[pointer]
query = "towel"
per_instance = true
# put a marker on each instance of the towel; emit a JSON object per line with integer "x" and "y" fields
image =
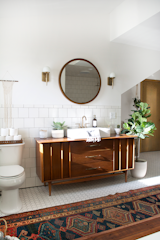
{"x": 93, "y": 136}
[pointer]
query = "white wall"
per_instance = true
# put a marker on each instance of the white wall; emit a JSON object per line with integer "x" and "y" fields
{"x": 131, "y": 13}
{"x": 35, "y": 34}
{"x": 127, "y": 102}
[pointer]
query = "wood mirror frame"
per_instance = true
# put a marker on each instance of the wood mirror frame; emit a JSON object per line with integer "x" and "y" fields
{"x": 81, "y": 90}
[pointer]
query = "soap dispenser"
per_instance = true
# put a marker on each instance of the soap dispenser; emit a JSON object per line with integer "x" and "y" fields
{"x": 94, "y": 123}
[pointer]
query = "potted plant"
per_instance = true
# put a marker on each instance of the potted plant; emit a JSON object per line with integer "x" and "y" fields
{"x": 58, "y": 129}
{"x": 118, "y": 129}
{"x": 139, "y": 126}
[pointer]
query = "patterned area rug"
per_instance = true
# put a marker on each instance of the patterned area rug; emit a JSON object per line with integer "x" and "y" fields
{"x": 80, "y": 219}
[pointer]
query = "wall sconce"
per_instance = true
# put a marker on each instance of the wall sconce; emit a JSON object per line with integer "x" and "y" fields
{"x": 110, "y": 79}
{"x": 45, "y": 74}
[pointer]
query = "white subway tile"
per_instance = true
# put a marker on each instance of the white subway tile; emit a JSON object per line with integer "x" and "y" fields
{"x": 28, "y": 105}
{"x": 30, "y": 163}
{"x": 34, "y": 132}
{"x": 17, "y": 105}
{"x": 1, "y": 112}
{"x": 38, "y": 182}
{"x": 96, "y": 112}
{"x": 48, "y": 106}
{"x": 33, "y": 172}
{"x": 48, "y": 122}
{"x": 53, "y": 112}
{"x": 33, "y": 112}
{"x": 80, "y": 112}
{"x": 67, "y": 122}
{"x": 88, "y": 113}
{"x": 15, "y": 113}
{"x": 84, "y": 107}
{"x": 1, "y": 125}
{"x": 75, "y": 122}
{"x": 23, "y": 132}
{"x": 27, "y": 142}
{"x": 63, "y": 112}
{"x": 92, "y": 107}
{"x": 39, "y": 122}
{"x": 43, "y": 112}
{"x": 28, "y": 172}
{"x": 66, "y": 106}
{"x": 76, "y": 106}
{"x": 101, "y": 122}
{"x": 72, "y": 112}
{"x": 38, "y": 105}
{"x": 104, "y": 112}
{"x": 100, "y": 107}
{"x": 29, "y": 122}
{"x": 30, "y": 182}
{"x": 32, "y": 153}
{"x": 18, "y": 123}
{"x": 57, "y": 106}
{"x": 23, "y": 112}
{"x": 25, "y": 153}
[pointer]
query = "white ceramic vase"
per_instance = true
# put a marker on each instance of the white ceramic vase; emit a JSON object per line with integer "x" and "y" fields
{"x": 140, "y": 169}
{"x": 117, "y": 130}
{"x": 58, "y": 133}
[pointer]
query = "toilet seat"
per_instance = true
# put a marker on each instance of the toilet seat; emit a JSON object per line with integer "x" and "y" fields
{"x": 11, "y": 171}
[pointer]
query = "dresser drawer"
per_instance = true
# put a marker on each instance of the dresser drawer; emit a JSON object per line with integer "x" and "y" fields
{"x": 92, "y": 166}
{"x": 91, "y": 158}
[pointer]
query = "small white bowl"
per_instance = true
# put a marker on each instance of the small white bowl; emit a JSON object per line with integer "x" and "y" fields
{"x": 43, "y": 133}
{"x": 118, "y": 130}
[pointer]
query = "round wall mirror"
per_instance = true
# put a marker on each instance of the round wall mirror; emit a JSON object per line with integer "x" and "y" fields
{"x": 79, "y": 81}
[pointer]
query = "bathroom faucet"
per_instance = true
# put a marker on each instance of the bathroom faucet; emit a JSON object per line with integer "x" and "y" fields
{"x": 82, "y": 121}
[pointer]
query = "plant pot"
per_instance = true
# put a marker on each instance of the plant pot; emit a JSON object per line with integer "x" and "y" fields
{"x": 117, "y": 130}
{"x": 58, "y": 133}
{"x": 140, "y": 169}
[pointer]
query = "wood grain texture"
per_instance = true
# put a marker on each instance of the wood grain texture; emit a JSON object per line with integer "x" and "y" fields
{"x": 65, "y": 139}
{"x": 77, "y": 161}
{"x": 150, "y": 90}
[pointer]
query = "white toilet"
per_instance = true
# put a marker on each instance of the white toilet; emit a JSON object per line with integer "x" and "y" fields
{"x": 12, "y": 176}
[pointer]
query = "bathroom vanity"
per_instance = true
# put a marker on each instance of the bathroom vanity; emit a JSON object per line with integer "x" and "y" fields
{"x": 65, "y": 160}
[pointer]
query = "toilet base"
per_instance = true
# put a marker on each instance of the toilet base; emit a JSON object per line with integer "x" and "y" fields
{"x": 10, "y": 201}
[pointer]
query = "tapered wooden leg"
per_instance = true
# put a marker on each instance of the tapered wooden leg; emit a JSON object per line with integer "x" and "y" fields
{"x": 125, "y": 176}
{"x": 44, "y": 184}
{"x": 49, "y": 186}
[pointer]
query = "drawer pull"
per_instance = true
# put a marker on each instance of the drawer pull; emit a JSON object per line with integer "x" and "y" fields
{"x": 92, "y": 156}
{"x": 94, "y": 168}
{"x": 95, "y": 145}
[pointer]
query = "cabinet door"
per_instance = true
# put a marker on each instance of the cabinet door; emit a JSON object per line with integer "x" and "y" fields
{"x": 91, "y": 158}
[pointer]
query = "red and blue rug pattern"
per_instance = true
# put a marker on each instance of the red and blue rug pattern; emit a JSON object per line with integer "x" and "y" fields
{"x": 80, "y": 219}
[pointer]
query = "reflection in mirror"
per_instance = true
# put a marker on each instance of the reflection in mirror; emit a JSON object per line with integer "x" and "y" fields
{"x": 79, "y": 81}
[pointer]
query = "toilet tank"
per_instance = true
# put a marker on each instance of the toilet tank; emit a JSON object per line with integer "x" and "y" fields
{"x": 11, "y": 154}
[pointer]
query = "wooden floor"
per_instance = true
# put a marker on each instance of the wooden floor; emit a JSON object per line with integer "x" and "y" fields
{"x": 130, "y": 232}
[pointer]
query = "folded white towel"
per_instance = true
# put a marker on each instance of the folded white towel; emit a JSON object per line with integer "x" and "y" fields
{"x": 93, "y": 136}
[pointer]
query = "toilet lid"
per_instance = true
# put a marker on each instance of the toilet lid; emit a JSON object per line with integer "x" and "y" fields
{"x": 11, "y": 170}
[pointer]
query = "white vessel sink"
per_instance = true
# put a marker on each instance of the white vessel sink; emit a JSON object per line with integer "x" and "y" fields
{"x": 79, "y": 133}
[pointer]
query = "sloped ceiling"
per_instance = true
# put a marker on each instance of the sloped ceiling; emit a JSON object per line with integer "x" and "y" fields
{"x": 146, "y": 34}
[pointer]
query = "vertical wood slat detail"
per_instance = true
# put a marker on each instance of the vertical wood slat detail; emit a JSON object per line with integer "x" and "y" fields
{"x": 69, "y": 159}
{"x": 133, "y": 153}
{"x": 127, "y": 153}
{"x": 114, "y": 155}
{"x": 119, "y": 154}
{"x": 61, "y": 160}
{"x": 51, "y": 162}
